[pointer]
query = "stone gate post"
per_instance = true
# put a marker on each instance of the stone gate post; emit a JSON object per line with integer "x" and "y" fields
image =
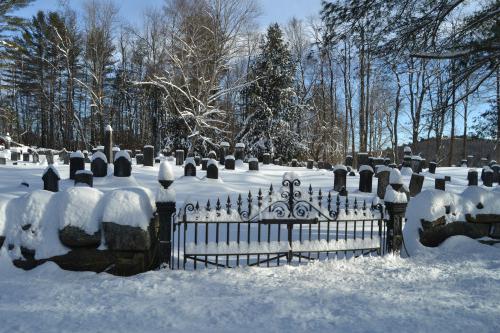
{"x": 165, "y": 207}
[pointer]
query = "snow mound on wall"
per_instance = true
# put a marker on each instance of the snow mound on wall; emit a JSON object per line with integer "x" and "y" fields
{"x": 165, "y": 172}
{"x": 79, "y": 207}
{"x": 122, "y": 153}
{"x": 430, "y": 205}
{"x": 99, "y": 154}
{"x": 132, "y": 207}
{"x": 406, "y": 171}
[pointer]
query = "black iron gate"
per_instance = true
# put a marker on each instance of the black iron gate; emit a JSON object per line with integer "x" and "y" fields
{"x": 285, "y": 226}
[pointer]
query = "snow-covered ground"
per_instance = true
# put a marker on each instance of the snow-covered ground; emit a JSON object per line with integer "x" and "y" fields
{"x": 455, "y": 287}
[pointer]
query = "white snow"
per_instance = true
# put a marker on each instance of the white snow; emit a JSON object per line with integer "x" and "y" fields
{"x": 365, "y": 167}
{"x": 229, "y": 157}
{"x": 99, "y": 154}
{"x": 224, "y": 144}
{"x": 190, "y": 160}
{"x": 240, "y": 145}
{"x": 395, "y": 177}
{"x": 165, "y": 195}
{"x": 53, "y": 168}
{"x": 394, "y": 196}
{"x": 407, "y": 149}
{"x": 108, "y": 128}
{"x": 122, "y": 153}
{"x": 80, "y": 207}
{"x": 130, "y": 206}
{"x": 165, "y": 172}
{"x": 87, "y": 172}
{"x": 211, "y": 161}
{"x": 340, "y": 167}
{"x": 406, "y": 171}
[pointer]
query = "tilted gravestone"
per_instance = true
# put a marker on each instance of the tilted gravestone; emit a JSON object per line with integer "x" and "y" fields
{"x": 190, "y": 167}
{"x": 99, "y": 164}
{"x": 204, "y": 162}
{"x": 84, "y": 177}
{"x": 432, "y": 167}
{"x": 139, "y": 158}
{"x": 179, "y": 157}
{"x": 229, "y": 163}
{"x": 472, "y": 177}
{"x": 440, "y": 183}
{"x": 76, "y": 162}
{"x": 51, "y": 179}
{"x": 148, "y": 153}
{"x": 416, "y": 183}
{"x": 382, "y": 181}
{"x": 339, "y": 178}
{"x": 123, "y": 164}
{"x": 365, "y": 179}
{"x": 108, "y": 143}
{"x": 266, "y": 159}
{"x": 310, "y": 164}
{"x": 488, "y": 175}
{"x": 212, "y": 170}
{"x": 253, "y": 164}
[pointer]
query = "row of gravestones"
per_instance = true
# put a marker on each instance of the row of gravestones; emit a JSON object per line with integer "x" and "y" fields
{"x": 16, "y": 156}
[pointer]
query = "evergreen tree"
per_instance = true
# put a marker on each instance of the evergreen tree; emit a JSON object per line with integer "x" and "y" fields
{"x": 273, "y": 105}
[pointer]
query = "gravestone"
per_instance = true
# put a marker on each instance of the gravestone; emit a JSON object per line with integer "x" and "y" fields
{"x": 36, "y": 157}
{"x": 223, "y": 151}
{"x": 50, "y": 157}
{"x": 392, "y": 165}
{"x": 26, "y": 157}
{"x": 370, "y": 162}
{"x": 378, "y": 161}
{"x": 365, "y": 179}
{"x": 86, "y": 156}
{"x": 76, "y": 162}
{"x": 253, "y": 164}
{"x": 492, "y": 163}
{"x": 348, "y": 160}
{"x": 212, "y": 155}
{"x": 148, "y": 152}
{"x": 327, "y": 166}
{"x": 94, "y": 150}
{"x": 484, "y": 162}
{"x": 266, "y": 159}
{"x": 108, "y": 143}
{"x": 496, "y": 174}
{"x": 387, "y": 161}
{"x": 320, "y": 165}
{"x": 432, "y": 167}
{"x": 123, "y": 164}
{"x": 415, "y": 163}
{"x": 416, "y": 183}
{"x": 229, "y": 163}
{"x": 14, "y": 156}
{"x": 84, "y": 177}
{"x": 3, "y": 160}
{"x": 239, "y": 151}
{"x": 463, "y": 163}
{"x": 382, "y": 181}
{"x": 277, "y": 161}
{"x": 139, "y": 158}
{"x": 7, "y": 141}
{"x": 65, "y": 156}
{"x": 197, "y": 160}
{"x": 310, "y": 164}
{"x": 472, "y": 177}
{"x": 362, "y": 159}
{"x": 407, "y": 161}
{"x": 179, "y": 157}
{"x": 212, "y": 170}
{"x": 99, "y": 164}
{"x": 51, "y": 179}
{"x": 422, "y": 165}
{"x": 190, "y": 167}
{"x": 488, "y": 177}
{"x": 294, "y": 163}
{"x": 440, "y": 184}
{"x": 339, "y": 178}
{"x": 407, "y": 151}
{"x": 204, "y": 162}
{"x": 470, "y": 161}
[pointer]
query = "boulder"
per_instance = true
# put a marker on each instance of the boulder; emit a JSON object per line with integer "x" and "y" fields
{"x": 125, "y": 238}
{"x": 75, "y": 237}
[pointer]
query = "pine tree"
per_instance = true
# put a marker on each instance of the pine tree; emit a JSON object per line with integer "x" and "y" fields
{"x": 272, "y": 101}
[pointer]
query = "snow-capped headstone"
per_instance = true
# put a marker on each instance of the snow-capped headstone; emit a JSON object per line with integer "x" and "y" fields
{"x": 148, "y": 153}
{"x": 86, "y": 156}
{"x": 484, "y": 162}
{"x": 49, "y": 157}
{"x": 190, "y": 167}
{"x": 253, "y": 164}
{"x": 122, "y": 164}
{"x": 348, "y": 160}
{"x": 387, "y": 161}
{"x": 440, "y": 183}
{"x": 204, "y": 162}
{"x": 229, "y": 163}
{"x": 463, "y": 163}
{"x": 277, "y": 161}
{"x": 310, "y": 164}
{"x": 416, "y": 183}
{"x": 212, "y": 169}
{"x": 76, "y": 162}
{"x": 26, "y": 157}
{"x": 472, "y": 177}
{"x": 179, "y": 157}
{"x": 51, "y": 179}
{"x": 84, "y": 177}
{"x": 223, "y": 151}
{"x": 383, "y": 176}
{"x": 415, "y": 163}
{"x": 212, "y": 155}
{"x": 99, "y": 164}
{"x": 339, "y": 178}
{"x": 139, "y": 159}
{"x": 407, "y": 161}
{"x": 197, "y": 160}
{"x": 365, "y": 179}
{"x": 432, "y": 167}
{"x": 266, "y": 159}
{"x": 108, "y": 143}
{"x": 7, "y": 141}
{"x": 496, "y": 173}
{"x": 294, "y": 163}
{"x": 239, "y": 151}
{"x": 361, "y": 159}
{"x": 407, "y": 151}
{"x": 471, "y": 161}
{"x": 14, "y": 155}
{"x": 3, "y": 160}
{"x": 488, "y": 175}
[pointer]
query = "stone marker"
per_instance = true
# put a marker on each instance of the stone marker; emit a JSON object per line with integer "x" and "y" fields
{"x": 310, "y": 164}
{"x": 406, "y": 162}
{"x": 415, "y": 163}
{"x": 348, "y": 160}
{"x": 36, "y": 157}
{"x": 108, "y": 143}
{"x": 463, "y": 163}
{"x": 14, "y": 155}
{"x": 3, "y": 160}
{"x": 148, "y": 152}
{"x": 277, "y": 161}
{"x": 496, "y": 174}
{"x": 416, "y": 183}
{"x": 212, "y": 155}
{"x": 50, "y": 157}
{"x": 488, "y": 177}
{"x": 179, "y": 157}
{"x": 51, "y": 179}
{"x": 382, "y": 181}
{"x": 229, "y": 163}
{"x": 266, "y": 159}
{"x": 84, "y": 177}
{"x": 99, "y": 164}
{"x": 86, "y": 156}
{"x": 197, "y": 160}
{"x": 472, "y": 177}
{"x": 365, "y": 179}
{"x": 484, "y": 162}
{"x": 190, "y": 167}
{"x": 76, "y": 162}
{"x": 139, "y": 158}
{"x": 339, "y": 180}
{"x": 432, "y": 167}
{"x": 223, "y": 151}
{"x": 440, "y": 183}
{"x": 362, "y": 159}
{"x": 294, "y": 163}
{"x": 212, "y": 170}
{"x": 239, "y": 151}
{"x": 253, "y": 164}
{"x": 26, "y": 157}
{"x": 204, "y": 162}
{"x": 123, "y": 164}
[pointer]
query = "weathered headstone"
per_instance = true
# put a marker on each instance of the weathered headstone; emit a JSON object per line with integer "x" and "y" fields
{"x": 229, "y": 163}
{"x": 86, "y": 156}
{"x": 179, "y": 157}
{"x": 407, "y": 151}
{"x": 365, "y": 179}
{"x": 387, "y": 161}
{"x": 407, "y": 161}
{"x": 472, "y": 177}
{"x": 362, "y": 159}
{"x": 488, "y": 175}
{"x": 3, "y": 160}
{"x": 84, "y": 177}
{"x": 123, "y": 164}
{"x": 212, "y": 170}
{"x": 266, "y": 159}
{"x": 212, "y": 155}
{"x": 26, "y": 157}
{"x": 99, "y": 164}
{"x": 14, "y": 155}
{"x": 392, "y": 165}
{"x": 108, "y": 143}
{"x": 76, "y": 162}
{"x": 190, "y": 167}
{"x": 223, "y": 151}
{"x": 310, "y": 164}
{"x": 148, "y": 152}
{"x": 339, "y": 178}
{"x": 253, "y": 164}
{"x": 50, "y": 157}
{"x": 36, "y": 157}
{"x": 463, "y": 163}
{"x": 239, "y": 151}
{"x": 7, "y": 141}
{"x": 197, "y": 160}
{"x": 204, "y": 162}
{"x": 440, "y": 183}
{"x": 484, "y": 162}
{"x": 51, "y": 179}
{"x": 432, "y": 167}
{"x": 277, "y": 161}
{"x": 294, "y": 163}
{"x": 470, "y": 160}
{"x": 496, "y": 175}
{"x": 416, "y": 183}
{"x": 382, "y": 181}
{"x": 139, "y": 159}
{"x": 415, "y": 163}
{"x": 348, "y": 160}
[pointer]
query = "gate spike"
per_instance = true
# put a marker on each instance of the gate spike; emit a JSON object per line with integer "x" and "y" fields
{"x": 310, "y": 193}
{"x": 217, "y": 205}
{"x": 197, "y": 207}
{"x": 355, "y": 204}
{"x": 228, "y": 205}
{"x": 259, "y": 198}
{"x": 338, "y": 204}
{"x": 208, "y": 205}
{"x": 239, "y": 202}
{"x": 320, "y": 197}
{"x": 271, "y": 190}
{"x": 329, "y": 200}
{"x": 347, "y": 204}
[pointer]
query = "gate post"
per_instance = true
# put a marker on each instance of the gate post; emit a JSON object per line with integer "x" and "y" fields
{"x": 165, "y": 207}
{"x": 396, "y": 212}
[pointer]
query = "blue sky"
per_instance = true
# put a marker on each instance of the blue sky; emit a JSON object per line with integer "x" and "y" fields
{"x": 131, "y": 10}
